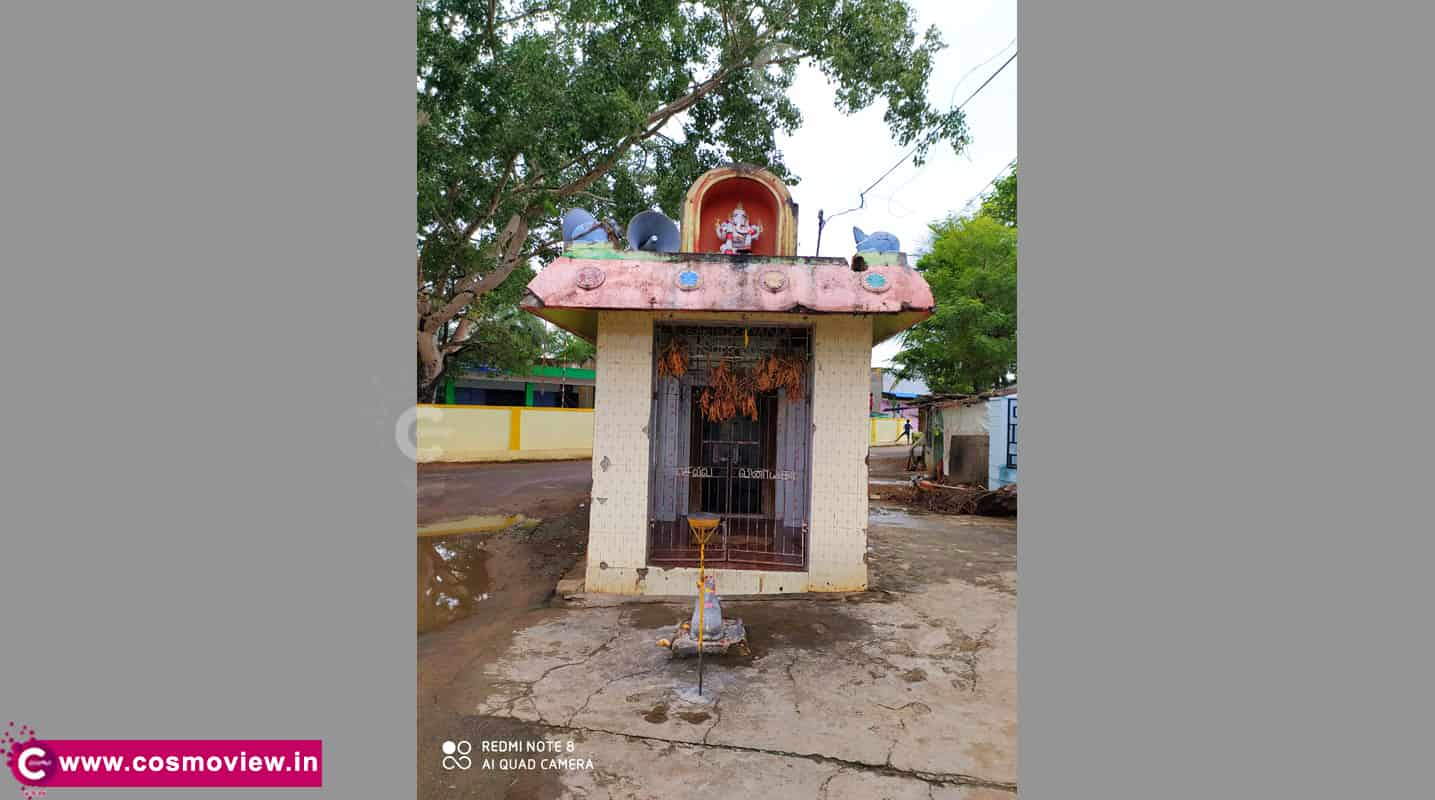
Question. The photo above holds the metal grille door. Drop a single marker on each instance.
(753, 473)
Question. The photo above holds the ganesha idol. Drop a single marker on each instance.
(737, 234)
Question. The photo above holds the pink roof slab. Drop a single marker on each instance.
(570, 291)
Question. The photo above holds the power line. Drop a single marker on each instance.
(963, 79)
(994, 179)
(862, 196)
(909, 153)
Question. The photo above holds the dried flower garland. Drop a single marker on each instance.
(733, 391)
(673, 361)
(729, 392)
(781, 371)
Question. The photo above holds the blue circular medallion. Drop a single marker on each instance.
(874, 282)
(688, 280)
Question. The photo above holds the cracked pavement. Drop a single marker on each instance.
(907, 691)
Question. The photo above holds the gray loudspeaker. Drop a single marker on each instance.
(579, 225)
(652, 231)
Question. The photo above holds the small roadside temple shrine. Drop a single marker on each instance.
(732, 380)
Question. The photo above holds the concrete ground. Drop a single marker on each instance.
(908, 690)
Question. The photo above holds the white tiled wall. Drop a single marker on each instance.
(618, 523)
(842, 354)
(617, 535)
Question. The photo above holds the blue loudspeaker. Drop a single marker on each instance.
(652, 231)
(579, 225)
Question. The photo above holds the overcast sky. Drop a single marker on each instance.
(837, 156)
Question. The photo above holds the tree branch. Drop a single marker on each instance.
(493, 204)
(649, 128)
(510, 245)
(652, 125)
(686, 101)
(455, 343)
(525, 15)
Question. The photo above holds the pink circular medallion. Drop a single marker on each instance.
(590, 278)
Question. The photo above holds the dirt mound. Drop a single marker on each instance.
(963, 499)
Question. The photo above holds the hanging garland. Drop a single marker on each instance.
(781, 371)
(733, 391)
(673, 361)
(729, 392)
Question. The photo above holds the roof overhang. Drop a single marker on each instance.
(571, 290)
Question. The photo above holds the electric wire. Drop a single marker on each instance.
(862, 196)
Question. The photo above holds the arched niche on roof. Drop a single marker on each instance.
(765, 201)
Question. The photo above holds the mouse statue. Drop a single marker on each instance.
(879, 242)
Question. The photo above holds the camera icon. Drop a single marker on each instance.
(455, 754)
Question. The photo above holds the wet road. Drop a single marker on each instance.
(539, 489)
(543, 489)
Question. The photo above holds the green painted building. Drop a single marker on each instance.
(544, 385)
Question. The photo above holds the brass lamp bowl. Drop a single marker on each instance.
(703, 526)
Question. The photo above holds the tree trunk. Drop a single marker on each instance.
(433, 322)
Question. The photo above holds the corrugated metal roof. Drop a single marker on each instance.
(965, 399)
(906, 387)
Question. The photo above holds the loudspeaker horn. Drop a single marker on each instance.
(654, 232)
(579, 225)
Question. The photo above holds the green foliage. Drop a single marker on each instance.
(510, 340)
(969, 344)
(1000, 204)
(565, 347)
(528, 107)
(629, 199)
(505, 337)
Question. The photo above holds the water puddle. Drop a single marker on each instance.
(453, 579)
(898, 517)
(478, 523)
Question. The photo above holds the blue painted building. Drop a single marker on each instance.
(1001, 425)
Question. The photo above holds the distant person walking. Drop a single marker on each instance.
(906, 431)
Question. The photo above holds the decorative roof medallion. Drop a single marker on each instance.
(875, 282)
(590, 278)
(689, 280)
(773, 281)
